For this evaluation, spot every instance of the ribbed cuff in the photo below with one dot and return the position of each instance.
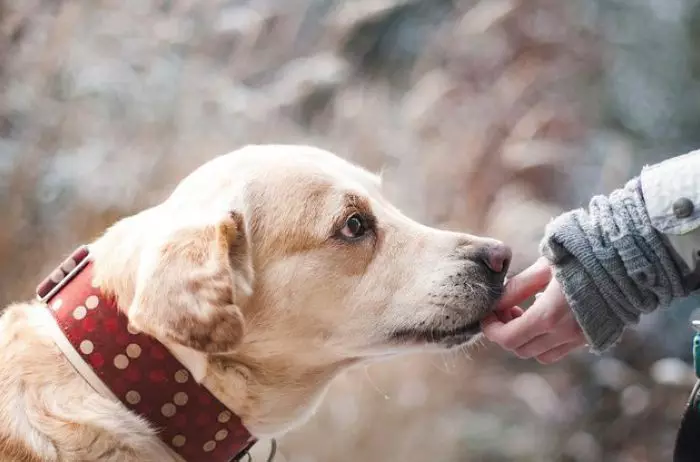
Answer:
(612, 264)
(601, 326)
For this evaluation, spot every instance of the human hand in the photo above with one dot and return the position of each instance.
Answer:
(547, 330)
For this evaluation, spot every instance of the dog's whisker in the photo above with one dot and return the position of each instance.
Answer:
(374, 385)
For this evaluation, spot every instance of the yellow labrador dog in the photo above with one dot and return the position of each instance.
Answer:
(266, 273)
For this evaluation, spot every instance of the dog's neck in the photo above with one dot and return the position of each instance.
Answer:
(272, 392)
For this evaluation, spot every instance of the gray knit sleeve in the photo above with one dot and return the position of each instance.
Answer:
(612, 264)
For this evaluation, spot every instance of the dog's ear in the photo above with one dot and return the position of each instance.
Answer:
(191, 289)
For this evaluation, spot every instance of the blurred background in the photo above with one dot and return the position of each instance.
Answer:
(490, 116)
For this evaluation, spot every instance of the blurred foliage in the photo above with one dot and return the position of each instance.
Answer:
(484, 115)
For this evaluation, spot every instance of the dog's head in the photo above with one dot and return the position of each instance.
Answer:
(281, 265)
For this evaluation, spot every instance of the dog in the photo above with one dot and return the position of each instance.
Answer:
(266, 273)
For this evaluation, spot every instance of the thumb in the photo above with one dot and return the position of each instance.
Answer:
(526, 284)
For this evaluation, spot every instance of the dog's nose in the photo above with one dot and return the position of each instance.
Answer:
(496, 256)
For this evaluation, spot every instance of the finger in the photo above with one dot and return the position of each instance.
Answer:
(489, 323)
(516, 311)
(512, 334)
(546, 342)
(540, 318)
(526, 283)
(508, 314)
(503, 316)
(559, 352)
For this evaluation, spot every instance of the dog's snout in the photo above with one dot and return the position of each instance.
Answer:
(497, 257)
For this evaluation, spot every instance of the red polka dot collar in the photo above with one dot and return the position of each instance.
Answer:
(138, 370)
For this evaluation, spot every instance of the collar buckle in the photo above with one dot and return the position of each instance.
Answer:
(63, 274)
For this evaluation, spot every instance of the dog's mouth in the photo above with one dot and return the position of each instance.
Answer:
(453, 336)
(446, 337)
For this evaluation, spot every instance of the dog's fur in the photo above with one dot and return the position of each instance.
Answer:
(244, 273)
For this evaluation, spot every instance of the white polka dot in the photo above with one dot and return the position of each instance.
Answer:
(57, 276)
(95, 284)
(56, 305)
(182, 376)
(121, 362)
(69, 265)
(224, 417)
(133, 397)
(180, 398)
(209, 446)
(221, 435)
(87, 347)
(131, 329)
(133, 351)
(179, 441)
(91, 302)
(168, 409)
(79, 312)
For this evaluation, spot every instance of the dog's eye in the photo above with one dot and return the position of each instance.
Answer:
(354, 227)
